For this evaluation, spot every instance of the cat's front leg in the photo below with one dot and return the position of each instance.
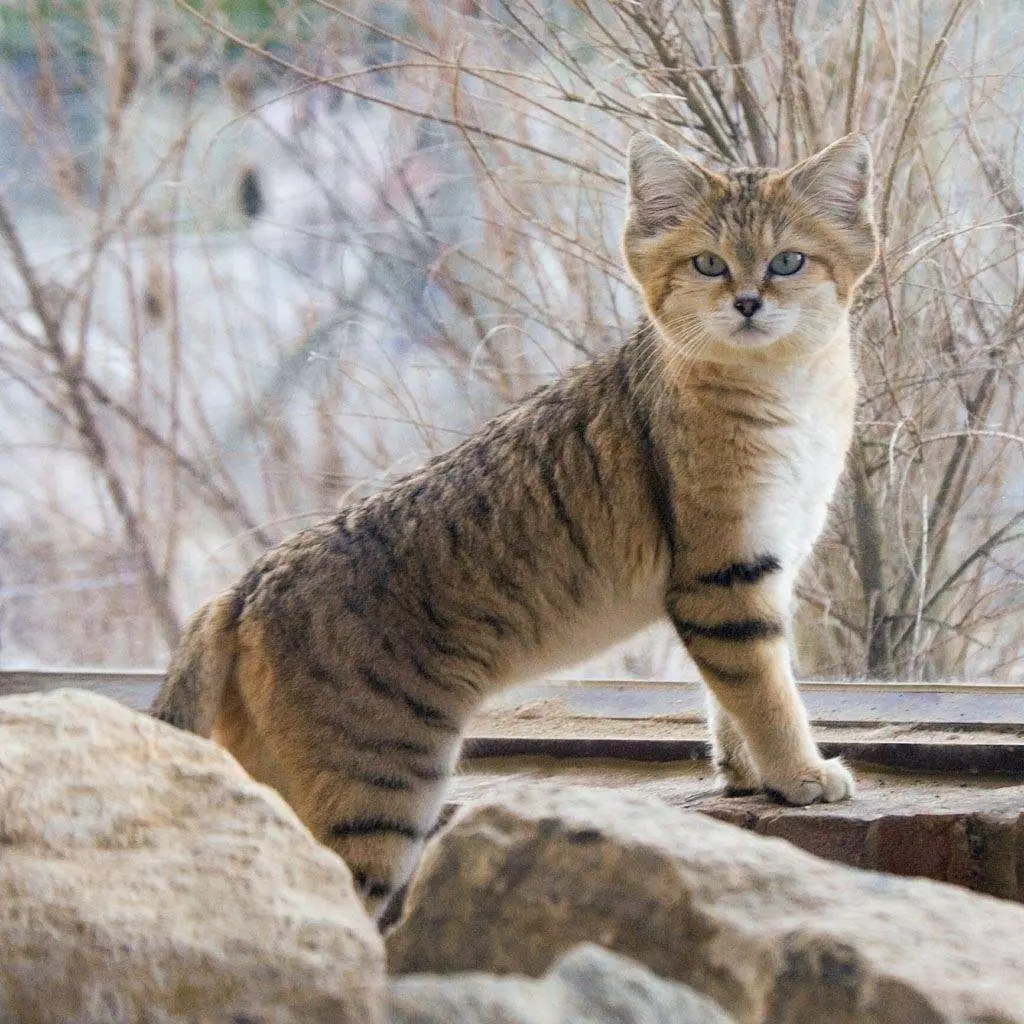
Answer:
(745, 663)
(735, 770)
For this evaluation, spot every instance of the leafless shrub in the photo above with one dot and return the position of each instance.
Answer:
(369, 225)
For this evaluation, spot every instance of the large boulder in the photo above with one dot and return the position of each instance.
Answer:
(769, 932)
(587, 984)
(145, 877)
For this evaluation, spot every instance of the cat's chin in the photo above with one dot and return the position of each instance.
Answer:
(731, 345)
(767, 342)
(759, 348)
(749, 335)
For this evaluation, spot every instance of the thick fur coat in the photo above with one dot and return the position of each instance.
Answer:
(685, 475)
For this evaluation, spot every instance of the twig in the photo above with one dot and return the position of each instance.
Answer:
(88, 429)
(744, 94)
(852, 96)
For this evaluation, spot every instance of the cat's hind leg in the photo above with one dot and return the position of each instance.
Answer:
(373, 800)
(373, 797)
(365, 767)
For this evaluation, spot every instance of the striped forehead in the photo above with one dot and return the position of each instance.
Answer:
(740, 213)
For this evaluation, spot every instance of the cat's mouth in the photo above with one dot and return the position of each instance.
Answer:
(748, 329)
(746, 332)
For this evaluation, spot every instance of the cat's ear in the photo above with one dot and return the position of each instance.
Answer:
(663, 186)
(836, 182)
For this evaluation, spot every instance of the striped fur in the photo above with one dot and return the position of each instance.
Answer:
(685, 475)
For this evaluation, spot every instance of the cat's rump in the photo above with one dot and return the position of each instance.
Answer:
(190, 696)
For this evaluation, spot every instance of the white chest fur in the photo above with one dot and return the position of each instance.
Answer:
(760, 473)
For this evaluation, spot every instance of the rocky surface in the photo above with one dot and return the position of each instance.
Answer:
(145, 877)
(588, 984)
(769, 932)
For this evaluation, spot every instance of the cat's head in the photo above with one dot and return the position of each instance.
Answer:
(754, 260)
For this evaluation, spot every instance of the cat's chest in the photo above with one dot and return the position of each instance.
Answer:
(764, 484)
(797, 449)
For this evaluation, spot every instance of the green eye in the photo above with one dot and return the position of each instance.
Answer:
(710, 265)
(786, 263)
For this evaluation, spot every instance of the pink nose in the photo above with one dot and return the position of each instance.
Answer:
(748, 303)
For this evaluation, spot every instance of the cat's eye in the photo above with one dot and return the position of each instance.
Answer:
(710, 265)
(784, 264)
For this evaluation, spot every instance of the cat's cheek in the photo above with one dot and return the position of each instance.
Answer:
(781, 321)
(823, 301)
(714, 324)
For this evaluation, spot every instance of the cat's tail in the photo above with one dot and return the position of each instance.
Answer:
(200, 669)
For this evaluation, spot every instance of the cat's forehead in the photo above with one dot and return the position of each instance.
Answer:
(745, 184)
(741, 212)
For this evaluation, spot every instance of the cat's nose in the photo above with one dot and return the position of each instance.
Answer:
(748, 303)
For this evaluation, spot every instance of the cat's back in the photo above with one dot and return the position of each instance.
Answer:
(540, 523)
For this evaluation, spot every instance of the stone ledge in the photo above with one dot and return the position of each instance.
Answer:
(981, 849)
(966, 832)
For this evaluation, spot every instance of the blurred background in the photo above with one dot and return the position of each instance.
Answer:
(259, 256)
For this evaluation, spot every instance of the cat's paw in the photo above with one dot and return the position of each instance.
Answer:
(737, 780)
(823, 783)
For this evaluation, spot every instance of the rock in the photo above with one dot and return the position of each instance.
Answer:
(769, 932)
(145, 877)
(587, 984)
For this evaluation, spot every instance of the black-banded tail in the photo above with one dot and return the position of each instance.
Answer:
(200, 668)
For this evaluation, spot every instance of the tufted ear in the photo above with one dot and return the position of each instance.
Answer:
(663, 186)
(836, 182)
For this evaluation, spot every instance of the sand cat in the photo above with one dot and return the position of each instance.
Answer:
(685, 475)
